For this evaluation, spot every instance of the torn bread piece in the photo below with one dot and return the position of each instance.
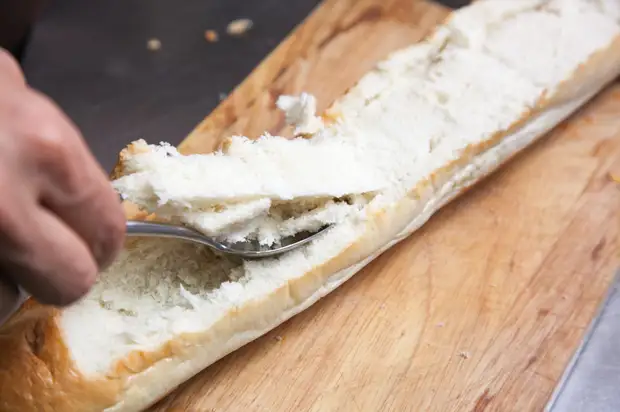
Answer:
(264, 221)
(152, 173)
(438, 117)
(300, 112)
(270, 167)
(289, 219)
(223, 218)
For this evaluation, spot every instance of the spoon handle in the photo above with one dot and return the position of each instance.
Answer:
(11, 299)
(246, 250)
(140, 228)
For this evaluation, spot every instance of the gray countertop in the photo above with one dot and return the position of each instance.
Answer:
(592, 381)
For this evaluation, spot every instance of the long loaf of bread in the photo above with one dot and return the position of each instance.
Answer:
(437, 117)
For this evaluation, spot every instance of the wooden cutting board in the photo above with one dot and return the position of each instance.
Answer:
(481, 309)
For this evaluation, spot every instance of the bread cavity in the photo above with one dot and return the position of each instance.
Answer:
(427, 122)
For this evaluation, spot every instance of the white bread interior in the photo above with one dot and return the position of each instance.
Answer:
(238, 207)
(438, 116)
(271, 167)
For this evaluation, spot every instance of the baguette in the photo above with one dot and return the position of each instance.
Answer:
(443, 114)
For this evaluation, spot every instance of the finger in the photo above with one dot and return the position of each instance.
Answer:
(37, 250)
(10, 298)
(10, 71)
(74, 186)
(53, 264)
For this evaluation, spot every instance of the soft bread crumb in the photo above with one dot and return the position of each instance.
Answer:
(153, 44)
(300, 112)
(239, 27)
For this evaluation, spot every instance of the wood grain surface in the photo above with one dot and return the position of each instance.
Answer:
(481, 309)
(325, 55)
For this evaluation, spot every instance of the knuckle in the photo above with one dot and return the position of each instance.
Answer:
(42, 123)
(55, 147)
(48, 142)
(48, 148)
(46, 138)
(54, 150)
(29, 109)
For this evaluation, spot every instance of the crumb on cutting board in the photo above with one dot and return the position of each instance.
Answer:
(211, 36)
(153, 44)
(239, 26)
(614, 177)
(464, 355)
(278, 338)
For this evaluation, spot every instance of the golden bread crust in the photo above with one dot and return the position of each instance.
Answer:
(37, 372)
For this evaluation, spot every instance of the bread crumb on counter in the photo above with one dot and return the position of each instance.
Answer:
(239, 26)
(211, 36)
(153, 44)
(279, 338)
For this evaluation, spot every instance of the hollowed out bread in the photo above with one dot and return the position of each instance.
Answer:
(435, 117)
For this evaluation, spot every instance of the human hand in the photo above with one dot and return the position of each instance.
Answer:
(60, 220)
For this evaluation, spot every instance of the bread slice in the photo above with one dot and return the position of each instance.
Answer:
(439, 115)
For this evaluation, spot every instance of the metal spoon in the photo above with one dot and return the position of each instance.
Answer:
(247, 250)
(12, 296)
